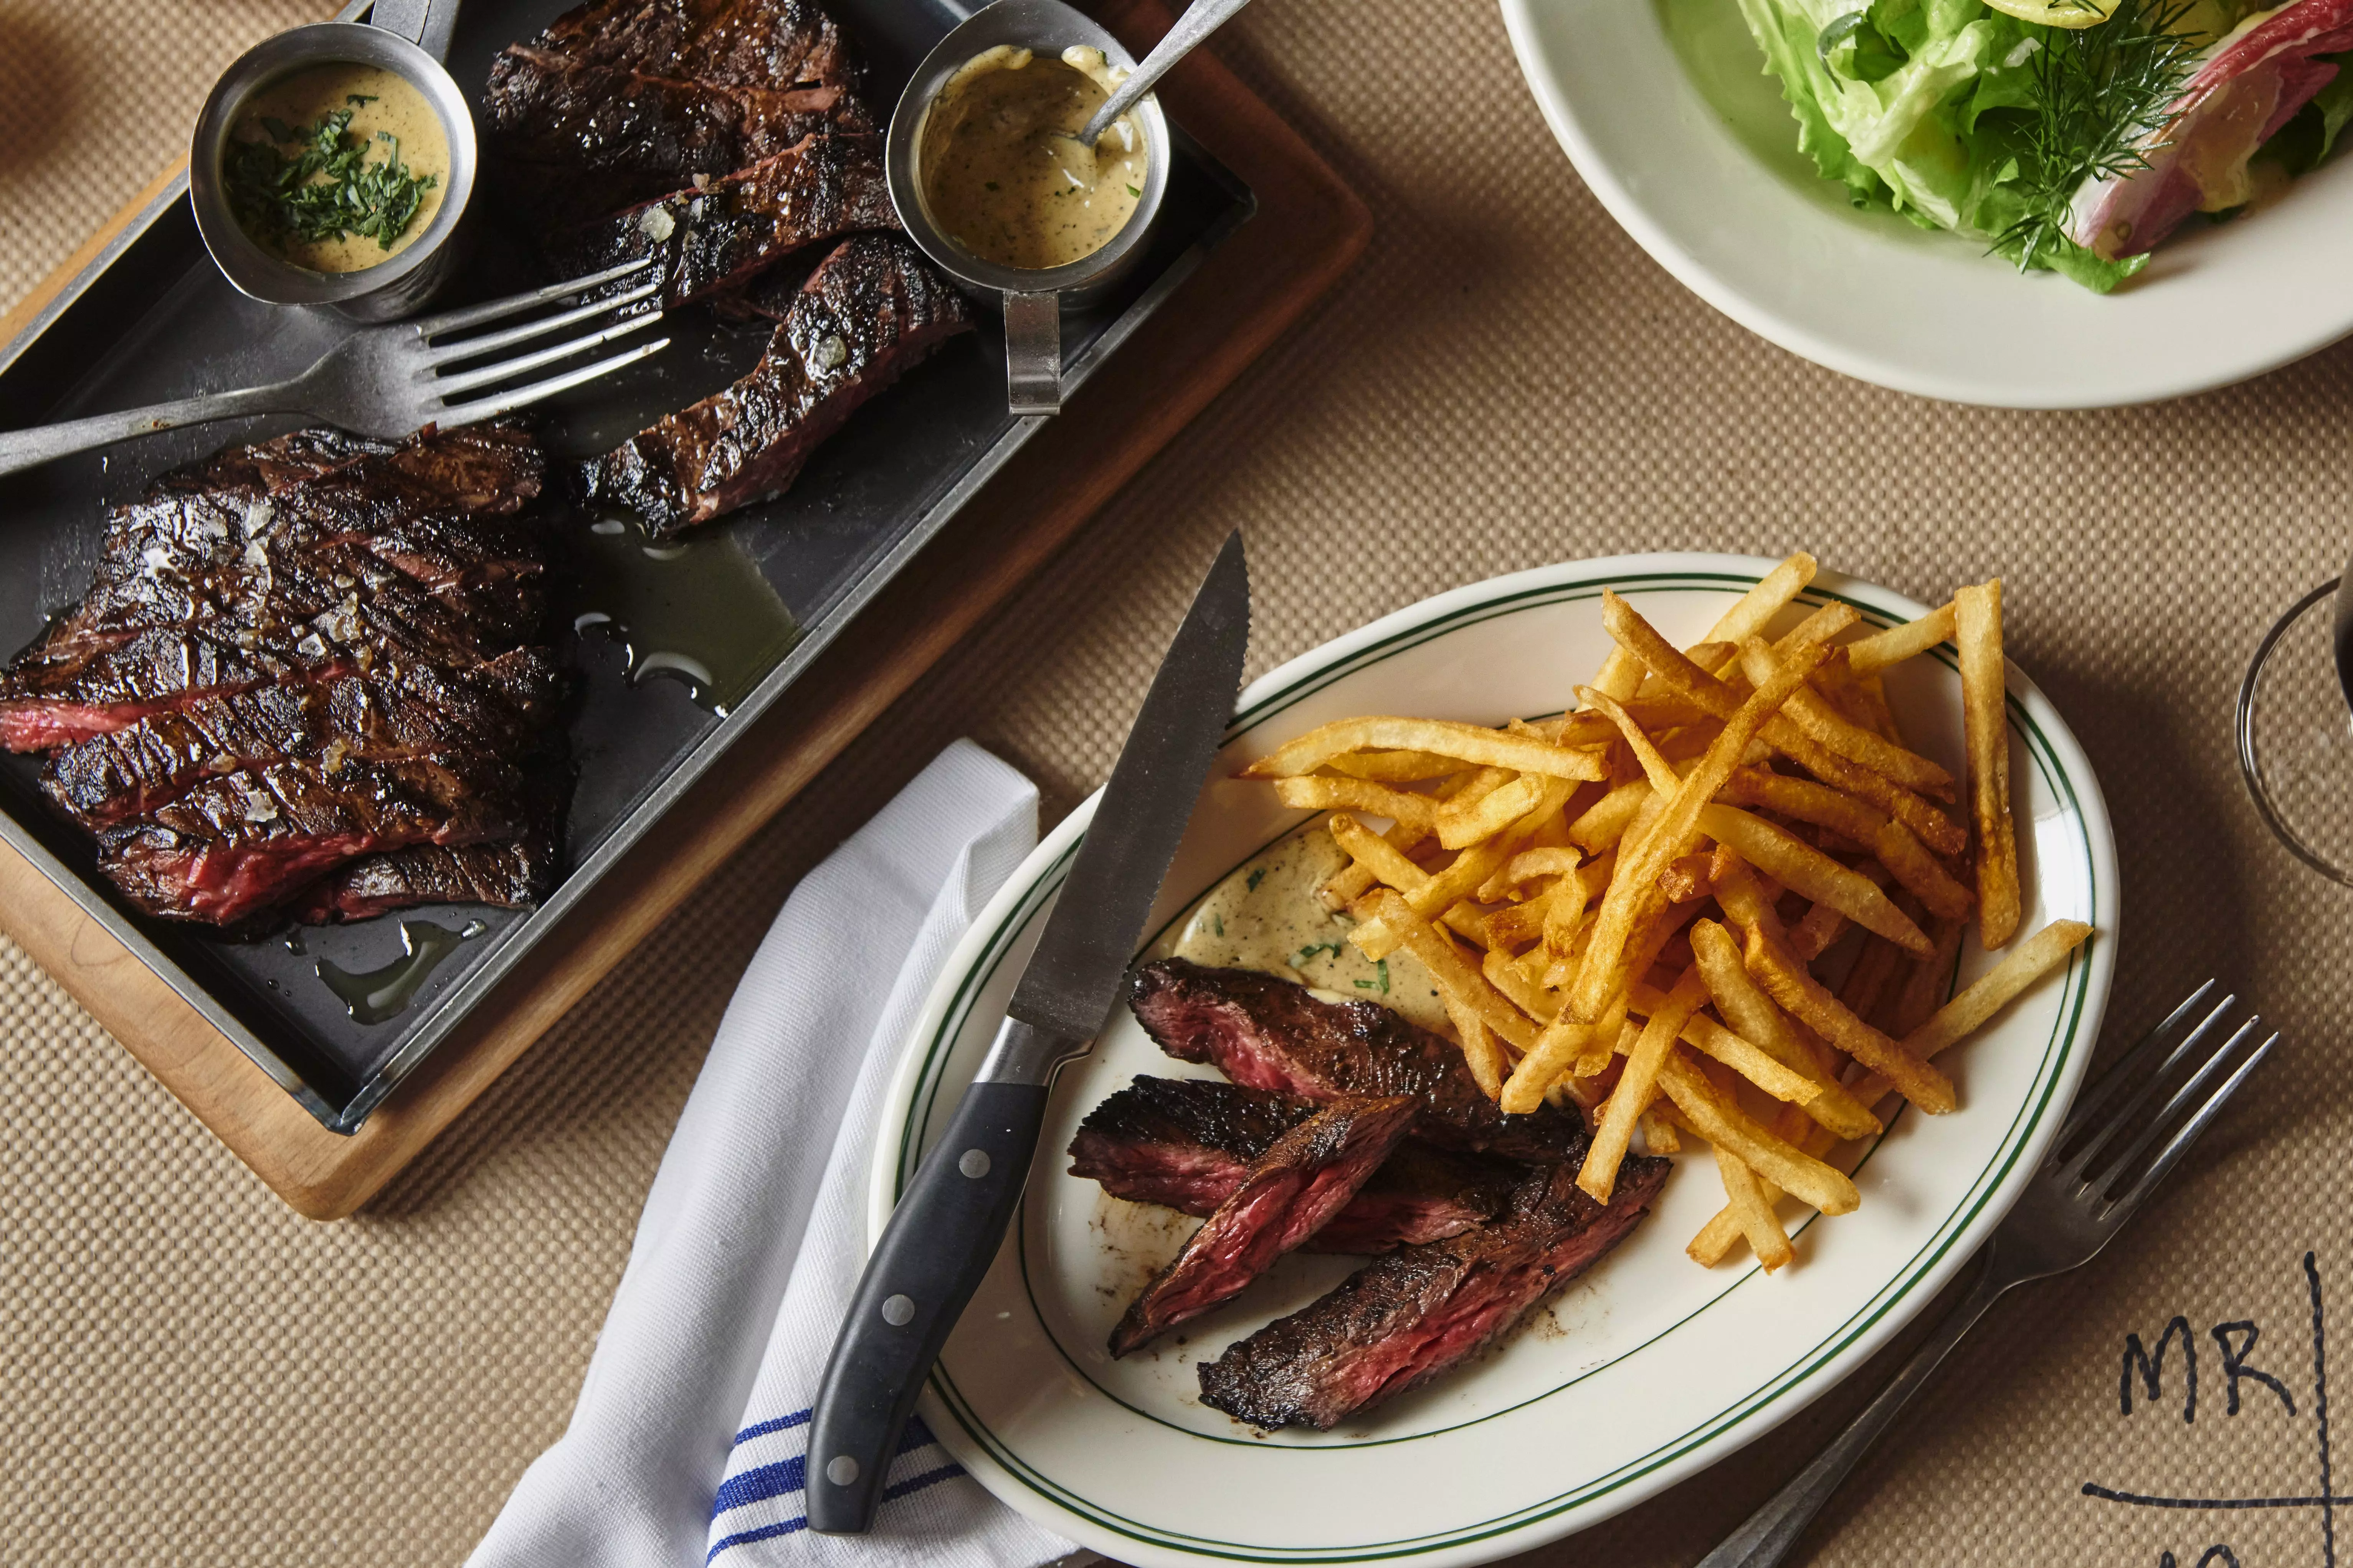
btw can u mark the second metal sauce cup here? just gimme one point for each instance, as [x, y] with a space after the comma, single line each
[1031, 298]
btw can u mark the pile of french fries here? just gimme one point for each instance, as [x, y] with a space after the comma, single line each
[1721, 899]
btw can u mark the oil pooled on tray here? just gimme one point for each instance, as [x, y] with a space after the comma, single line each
[695, 610]
[379, 995]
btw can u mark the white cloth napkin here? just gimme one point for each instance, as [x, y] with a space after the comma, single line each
[688, 1444]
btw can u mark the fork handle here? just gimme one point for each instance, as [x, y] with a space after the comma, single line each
[1765, 1538]
[22, 450]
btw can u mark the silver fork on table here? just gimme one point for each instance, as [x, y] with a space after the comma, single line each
[2068, 1213]
[389, 380]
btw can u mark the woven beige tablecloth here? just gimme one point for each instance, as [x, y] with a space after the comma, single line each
[190, 1374]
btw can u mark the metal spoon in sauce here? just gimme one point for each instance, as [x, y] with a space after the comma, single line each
[1200, 19]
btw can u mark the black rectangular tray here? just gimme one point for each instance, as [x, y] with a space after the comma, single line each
[750, 601]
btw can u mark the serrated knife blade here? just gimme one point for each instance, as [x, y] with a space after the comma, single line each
[950, 1222]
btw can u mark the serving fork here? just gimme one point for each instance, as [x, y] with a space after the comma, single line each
[2079, 1199]
[390, 379]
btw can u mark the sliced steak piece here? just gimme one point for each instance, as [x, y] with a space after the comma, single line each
[1401, 1320]
[870, 310]
[396, 714]
[314, 557]
[572, 141]
[736, 43]
[511, 874]
[1306, 1177]
[1277, 1036]
[711, 239]
[1187, 1144]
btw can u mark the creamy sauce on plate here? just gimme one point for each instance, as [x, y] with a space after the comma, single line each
[391, 122]
[1003, 171]
[1266, 916]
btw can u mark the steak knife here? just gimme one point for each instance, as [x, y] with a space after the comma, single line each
[947, 1228]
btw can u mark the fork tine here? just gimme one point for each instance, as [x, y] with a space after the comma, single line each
[2120, 1210]
[490, 342]
[2188, 1091]
[2148, 1085]
[507, 369]
[495, 310]
[505, 402]
[2122, 1075]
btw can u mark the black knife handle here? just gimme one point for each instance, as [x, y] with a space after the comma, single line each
[933, 1257]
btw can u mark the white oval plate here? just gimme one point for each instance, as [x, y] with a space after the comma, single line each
[1744, 222]
[1648, 1368]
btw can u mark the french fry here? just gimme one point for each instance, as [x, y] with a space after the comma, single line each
[1316, 794]
[1686, 879]
[1894, 646]
[1782, 977]
[1606, 821]
[1462, 823]
[1867, 979]
[1821, 724]
[1760, 1021]
[1556, 1046]
[1801, 868]
[1715, 1238]
[1375, 852]
[1727, 1127]
[1591, 727]
[1744, 1194]
[1813, 936]
[1749, 615]
[1895, 845]
[1976, 624]
[1632, 1096]
[1481, 1053]
[1659, 1136]
[1459, 981]
[1751, 1061]
[1924, 985]
[1655, 767]
[1467, 743]
[1560, 860]
[1965, 1013]
[1395, 767]
[1635, 885]
[1505, 975]
[1820, 627]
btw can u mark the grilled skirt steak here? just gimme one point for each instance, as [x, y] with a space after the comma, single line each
[870, 310]
[1187, 1144]
[570, 140]
[1401, 1320]
[300, 559]
[513, 874]
[301, 654]
[399, 713]
[707, 240]
[1274, 1034]
[1307, 1176]
[734, 43]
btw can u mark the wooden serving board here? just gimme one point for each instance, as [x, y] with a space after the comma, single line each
[1308, 229]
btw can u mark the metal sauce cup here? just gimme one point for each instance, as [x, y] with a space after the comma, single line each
[395, 286]
[1032, 298]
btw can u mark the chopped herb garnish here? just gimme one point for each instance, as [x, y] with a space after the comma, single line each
[357, 100]
[1255, 879]
[1364, 986]
[1134, 191]
[1382, 965]
[1217, 923]
[1307, 953]
[328, 190]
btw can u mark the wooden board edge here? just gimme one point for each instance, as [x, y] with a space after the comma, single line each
[22, 313]
[1310, 227]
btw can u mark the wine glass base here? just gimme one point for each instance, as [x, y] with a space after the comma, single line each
[2295, 737]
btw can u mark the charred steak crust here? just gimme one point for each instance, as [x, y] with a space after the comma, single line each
[1187, 1144]
[870, 310]
[735, 43]
[705, 240]
[1308, 1175]
[1274, 1034]
[1402, 1319]
[572, 140]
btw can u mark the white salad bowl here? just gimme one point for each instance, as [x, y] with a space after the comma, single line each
[1711, 184]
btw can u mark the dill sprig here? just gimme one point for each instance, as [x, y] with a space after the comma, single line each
[328, 190]
[2098, 95]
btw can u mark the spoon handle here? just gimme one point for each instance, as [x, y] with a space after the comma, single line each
[1199, 20]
